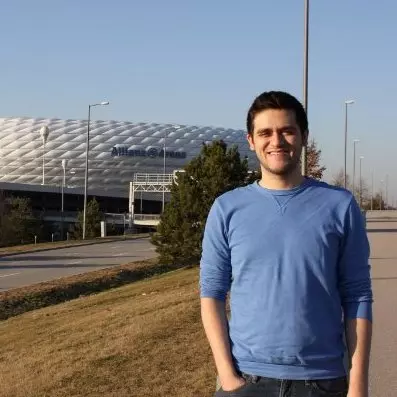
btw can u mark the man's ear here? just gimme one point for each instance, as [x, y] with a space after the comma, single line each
[250, 140]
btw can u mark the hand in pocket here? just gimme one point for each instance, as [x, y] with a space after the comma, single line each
[239, 392]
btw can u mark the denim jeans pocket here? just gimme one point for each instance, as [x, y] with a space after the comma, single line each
[337, 387]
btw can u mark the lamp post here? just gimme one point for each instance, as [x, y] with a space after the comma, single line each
[381, 195]
[44, 132]
[86, 162]
[164, 163]
[63, 194]
[173, 129]
[354, 166]
[305, 80]
[372, 190]
[387, 193]
[361, 184]
[347, 103]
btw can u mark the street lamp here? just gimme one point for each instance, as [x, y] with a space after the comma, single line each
[86, 162]
[164, 162]
[305, 80]
[347, 103]
[361, 183]
[354, 165]
[381, 194]
[63, 193]
[44, 132]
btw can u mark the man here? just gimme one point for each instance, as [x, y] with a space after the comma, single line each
[293, 252]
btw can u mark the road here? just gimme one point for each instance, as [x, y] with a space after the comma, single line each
[30, 268]
[383, 371]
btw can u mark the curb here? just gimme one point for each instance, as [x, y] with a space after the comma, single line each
[71, 246]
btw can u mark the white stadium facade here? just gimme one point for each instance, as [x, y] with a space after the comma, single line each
[118, 150]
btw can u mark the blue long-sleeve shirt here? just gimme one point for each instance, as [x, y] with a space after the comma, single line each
[295, 262]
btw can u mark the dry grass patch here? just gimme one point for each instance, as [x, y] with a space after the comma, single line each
[144, 340]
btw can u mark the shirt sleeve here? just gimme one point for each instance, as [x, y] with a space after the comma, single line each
[354, 269]
[215, 266]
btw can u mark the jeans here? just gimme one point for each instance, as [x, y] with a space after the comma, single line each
[257, 386]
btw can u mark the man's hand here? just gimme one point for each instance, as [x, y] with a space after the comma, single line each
[232, 383]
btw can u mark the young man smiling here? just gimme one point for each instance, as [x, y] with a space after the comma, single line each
[293, 253]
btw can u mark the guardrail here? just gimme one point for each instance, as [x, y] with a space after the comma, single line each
[146, 217]
[381, 215]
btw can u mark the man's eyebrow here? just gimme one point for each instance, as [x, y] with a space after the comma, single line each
[264, 130]
[284, 127]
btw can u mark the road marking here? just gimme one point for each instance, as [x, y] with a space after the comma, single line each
[74, 263]
[8, 275]
[121, 254]
[115, 246]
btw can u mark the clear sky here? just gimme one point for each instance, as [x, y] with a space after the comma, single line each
[203, 62]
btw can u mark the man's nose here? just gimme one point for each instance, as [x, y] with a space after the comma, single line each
[277, 139]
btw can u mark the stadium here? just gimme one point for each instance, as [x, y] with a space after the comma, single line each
[118, 150]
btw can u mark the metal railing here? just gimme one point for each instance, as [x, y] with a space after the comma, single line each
[146, 217]
[153, 179]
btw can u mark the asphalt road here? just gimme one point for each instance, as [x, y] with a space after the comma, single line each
[30, 268]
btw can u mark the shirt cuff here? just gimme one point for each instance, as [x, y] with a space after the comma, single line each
[218, 295]
[355, 310]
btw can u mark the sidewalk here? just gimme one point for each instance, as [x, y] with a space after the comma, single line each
[383, 370]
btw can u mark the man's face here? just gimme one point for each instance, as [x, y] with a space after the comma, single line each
[277, 141]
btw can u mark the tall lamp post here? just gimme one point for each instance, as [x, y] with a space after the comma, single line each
[305, 80]
[354, 166]
[381, 195]
[86, 162]
[63, 193]
[372, 191]
[361, 184]
[44, 132]
[174, 128]
[347, 103]
[164, 163]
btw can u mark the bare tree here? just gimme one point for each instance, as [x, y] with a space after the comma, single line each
[338, 179]
[314, 169]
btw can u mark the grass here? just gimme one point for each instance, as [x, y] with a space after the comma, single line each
[143, 339]
[18, 249]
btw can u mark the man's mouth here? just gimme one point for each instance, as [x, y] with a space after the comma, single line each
[278, 152]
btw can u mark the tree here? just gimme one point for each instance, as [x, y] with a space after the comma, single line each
[214, 171]
[368, 201]
[339, 179]
[92, 224]
[377, 203]
[17, 223]
[314, 169]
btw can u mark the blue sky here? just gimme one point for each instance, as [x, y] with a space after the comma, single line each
[203, 62]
